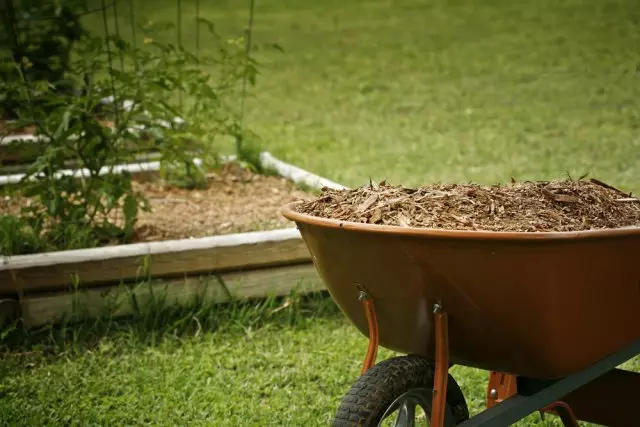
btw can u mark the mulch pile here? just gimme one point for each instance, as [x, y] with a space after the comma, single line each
[569, 205]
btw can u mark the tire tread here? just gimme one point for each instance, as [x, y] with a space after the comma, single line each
[373, 392]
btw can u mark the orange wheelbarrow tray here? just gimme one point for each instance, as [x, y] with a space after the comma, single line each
[550, 315]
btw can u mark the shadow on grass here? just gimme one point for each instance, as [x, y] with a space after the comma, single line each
[156, 322]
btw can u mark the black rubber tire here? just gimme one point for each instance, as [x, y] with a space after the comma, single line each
[375, 391]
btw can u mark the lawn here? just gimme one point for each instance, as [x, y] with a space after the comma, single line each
[422, 91]
[417, 91]
[254, 364]
[409, 91]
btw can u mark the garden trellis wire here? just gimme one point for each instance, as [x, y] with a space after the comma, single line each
[11, 21]
[108, 103]
[249, 36]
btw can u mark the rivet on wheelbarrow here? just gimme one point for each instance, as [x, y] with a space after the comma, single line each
[493, 393]
[437, 308]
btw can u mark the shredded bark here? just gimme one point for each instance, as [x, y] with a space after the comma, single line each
[567, 205]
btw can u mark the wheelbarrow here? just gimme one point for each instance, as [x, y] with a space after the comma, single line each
[550, 315]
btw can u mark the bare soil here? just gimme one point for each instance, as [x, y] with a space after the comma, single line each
[569, 205]
[6, 128]
[235, 200]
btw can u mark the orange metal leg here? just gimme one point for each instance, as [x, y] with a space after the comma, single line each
[372, 350]
[439, 401]
[609, 400]
[501, 387]
[563, 411]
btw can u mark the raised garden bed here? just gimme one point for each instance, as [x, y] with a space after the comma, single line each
[23, 145]
[218, 243]
[235, 200]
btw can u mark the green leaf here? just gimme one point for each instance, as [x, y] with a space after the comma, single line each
[210, 26]
[277, 47]
[156, 133]
[130, 211]
[64, 123]
[251, 72]
[52, 206]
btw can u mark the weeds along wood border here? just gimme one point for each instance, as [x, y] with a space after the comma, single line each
[45, 287]
[122, 300]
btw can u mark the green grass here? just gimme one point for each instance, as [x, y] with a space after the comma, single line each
[410, 91]
[417, 92]
[422, 91]
[254, 364]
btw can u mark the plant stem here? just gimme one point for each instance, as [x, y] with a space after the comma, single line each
[110, 61]
[248, 35]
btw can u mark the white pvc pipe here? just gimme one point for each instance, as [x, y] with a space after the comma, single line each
[296, 174]
[25, 137]
[127, 105]
[118, 169]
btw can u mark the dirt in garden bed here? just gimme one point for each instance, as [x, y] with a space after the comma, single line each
[235, 200]
[7, 128]
[569, 205]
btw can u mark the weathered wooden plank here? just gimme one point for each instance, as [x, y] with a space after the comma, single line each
[38, 272]
[118, 301]
[9, 309]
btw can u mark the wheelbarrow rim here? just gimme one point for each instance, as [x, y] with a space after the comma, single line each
[288, 212]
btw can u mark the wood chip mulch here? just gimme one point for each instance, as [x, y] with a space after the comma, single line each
[569, 205]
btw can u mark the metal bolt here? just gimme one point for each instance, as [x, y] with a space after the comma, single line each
[362, 295]
[437, 308]
[493, 393]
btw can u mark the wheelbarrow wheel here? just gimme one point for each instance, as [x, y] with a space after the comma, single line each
[402, 385]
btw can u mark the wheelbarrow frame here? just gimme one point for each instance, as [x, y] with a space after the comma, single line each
[535, 395]
[523, 396]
